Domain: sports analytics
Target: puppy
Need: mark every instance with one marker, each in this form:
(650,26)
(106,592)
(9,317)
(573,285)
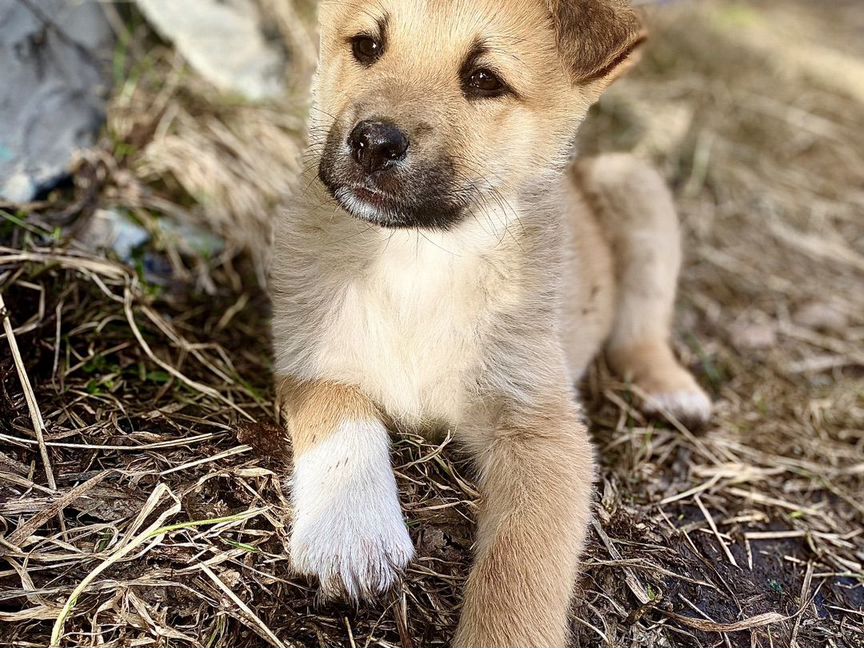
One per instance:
(443,264)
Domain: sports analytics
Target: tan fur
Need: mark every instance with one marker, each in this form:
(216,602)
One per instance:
(634,208)
(596,36)
(482,328)
(313,410)
(536,472)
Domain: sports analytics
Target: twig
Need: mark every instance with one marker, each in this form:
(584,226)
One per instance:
(633,583)
(155,532)
(27,528)
(199,387)
(713,526)
(152,531)
(257,624)
(32,404)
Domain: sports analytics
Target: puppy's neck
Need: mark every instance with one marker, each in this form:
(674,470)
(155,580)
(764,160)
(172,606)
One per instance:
(480,232)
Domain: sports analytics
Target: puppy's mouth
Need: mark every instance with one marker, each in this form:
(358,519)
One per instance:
(415,193)
(372,205)
(351,197)
(428,207)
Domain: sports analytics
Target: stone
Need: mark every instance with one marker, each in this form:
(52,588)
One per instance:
(54,83)
(222,41)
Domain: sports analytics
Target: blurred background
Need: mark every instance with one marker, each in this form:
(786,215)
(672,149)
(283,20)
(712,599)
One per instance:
(144,149)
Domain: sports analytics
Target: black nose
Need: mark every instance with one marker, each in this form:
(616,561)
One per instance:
(377,145)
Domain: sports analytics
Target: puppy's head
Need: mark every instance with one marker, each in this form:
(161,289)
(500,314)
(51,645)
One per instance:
(429,109)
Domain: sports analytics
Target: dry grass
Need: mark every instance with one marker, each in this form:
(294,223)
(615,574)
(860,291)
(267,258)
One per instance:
(166,522)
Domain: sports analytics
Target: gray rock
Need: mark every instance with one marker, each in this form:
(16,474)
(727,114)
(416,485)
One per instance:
(53,86)
(223,42)
(108,229)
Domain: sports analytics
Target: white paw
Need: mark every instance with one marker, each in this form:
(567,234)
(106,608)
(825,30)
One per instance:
(688,406)
(348,528)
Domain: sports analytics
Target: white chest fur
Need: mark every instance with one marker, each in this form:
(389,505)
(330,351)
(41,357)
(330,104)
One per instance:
(408,329)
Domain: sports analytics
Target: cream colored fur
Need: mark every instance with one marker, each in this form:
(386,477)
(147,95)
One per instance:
(482,329)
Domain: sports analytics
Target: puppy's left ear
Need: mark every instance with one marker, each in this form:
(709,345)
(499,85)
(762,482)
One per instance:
(597,39)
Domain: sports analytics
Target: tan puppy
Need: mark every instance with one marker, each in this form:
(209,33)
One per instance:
(443,266)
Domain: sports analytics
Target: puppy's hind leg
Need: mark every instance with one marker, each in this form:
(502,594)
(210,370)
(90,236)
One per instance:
(635,209)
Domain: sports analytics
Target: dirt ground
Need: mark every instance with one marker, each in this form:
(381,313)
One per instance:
(156,510)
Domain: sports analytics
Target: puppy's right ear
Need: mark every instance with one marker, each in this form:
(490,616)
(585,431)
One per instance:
(596,38)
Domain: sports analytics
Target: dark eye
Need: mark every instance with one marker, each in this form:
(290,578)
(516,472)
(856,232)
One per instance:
(484,83)
(367,49)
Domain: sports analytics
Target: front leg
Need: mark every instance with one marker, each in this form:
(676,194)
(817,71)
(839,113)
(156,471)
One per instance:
(348,528)
(536,473)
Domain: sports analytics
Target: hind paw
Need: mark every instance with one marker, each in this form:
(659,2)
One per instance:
(691,406)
